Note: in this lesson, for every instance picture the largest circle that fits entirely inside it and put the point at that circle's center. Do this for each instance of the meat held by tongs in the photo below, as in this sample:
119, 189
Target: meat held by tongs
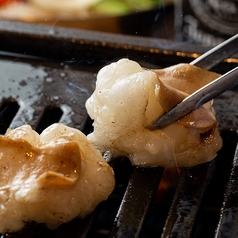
209, 91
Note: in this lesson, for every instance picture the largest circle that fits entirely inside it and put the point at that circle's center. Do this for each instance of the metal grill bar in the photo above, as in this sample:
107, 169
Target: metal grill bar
135, 205
228, 225
189, 193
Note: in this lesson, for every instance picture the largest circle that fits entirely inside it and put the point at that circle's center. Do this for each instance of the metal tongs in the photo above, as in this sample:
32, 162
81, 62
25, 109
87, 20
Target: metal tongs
209, 91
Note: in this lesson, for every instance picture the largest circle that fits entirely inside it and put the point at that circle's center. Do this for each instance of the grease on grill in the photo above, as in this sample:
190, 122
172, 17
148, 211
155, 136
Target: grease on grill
40, 89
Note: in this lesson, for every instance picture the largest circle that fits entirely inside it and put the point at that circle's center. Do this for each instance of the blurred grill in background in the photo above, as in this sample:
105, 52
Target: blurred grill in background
203, 22
153, 18
206, 22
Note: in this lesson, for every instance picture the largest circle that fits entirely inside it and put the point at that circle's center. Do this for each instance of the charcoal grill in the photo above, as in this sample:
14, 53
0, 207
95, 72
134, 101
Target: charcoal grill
48, 73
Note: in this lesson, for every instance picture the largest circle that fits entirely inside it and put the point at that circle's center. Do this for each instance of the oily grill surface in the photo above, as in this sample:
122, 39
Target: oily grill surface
48, 73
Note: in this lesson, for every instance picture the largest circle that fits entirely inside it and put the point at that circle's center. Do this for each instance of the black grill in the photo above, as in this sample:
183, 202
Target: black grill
48, 73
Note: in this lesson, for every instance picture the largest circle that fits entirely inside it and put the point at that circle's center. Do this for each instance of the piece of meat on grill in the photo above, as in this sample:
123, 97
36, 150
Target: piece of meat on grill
128, 99
50, 178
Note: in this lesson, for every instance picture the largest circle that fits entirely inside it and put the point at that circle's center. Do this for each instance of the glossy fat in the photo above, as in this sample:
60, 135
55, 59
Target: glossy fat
50, 178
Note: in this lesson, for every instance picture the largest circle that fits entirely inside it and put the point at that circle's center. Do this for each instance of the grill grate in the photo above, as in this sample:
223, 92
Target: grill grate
200, 183
40, 91
135, 204
228, 226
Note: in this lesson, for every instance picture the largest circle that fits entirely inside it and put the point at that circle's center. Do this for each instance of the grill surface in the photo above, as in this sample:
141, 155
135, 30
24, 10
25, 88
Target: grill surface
47, 74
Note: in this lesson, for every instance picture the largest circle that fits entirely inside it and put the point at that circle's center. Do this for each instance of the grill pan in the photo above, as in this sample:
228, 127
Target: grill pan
48, 73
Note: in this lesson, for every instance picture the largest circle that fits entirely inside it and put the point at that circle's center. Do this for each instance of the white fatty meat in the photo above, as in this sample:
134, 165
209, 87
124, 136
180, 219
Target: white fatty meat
128, 99
50, 178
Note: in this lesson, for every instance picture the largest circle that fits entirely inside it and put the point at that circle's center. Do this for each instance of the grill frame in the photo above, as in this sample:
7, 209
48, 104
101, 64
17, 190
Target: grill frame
86, 51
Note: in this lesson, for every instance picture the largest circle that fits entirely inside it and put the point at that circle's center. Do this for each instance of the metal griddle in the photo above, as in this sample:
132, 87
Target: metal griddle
48, 73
